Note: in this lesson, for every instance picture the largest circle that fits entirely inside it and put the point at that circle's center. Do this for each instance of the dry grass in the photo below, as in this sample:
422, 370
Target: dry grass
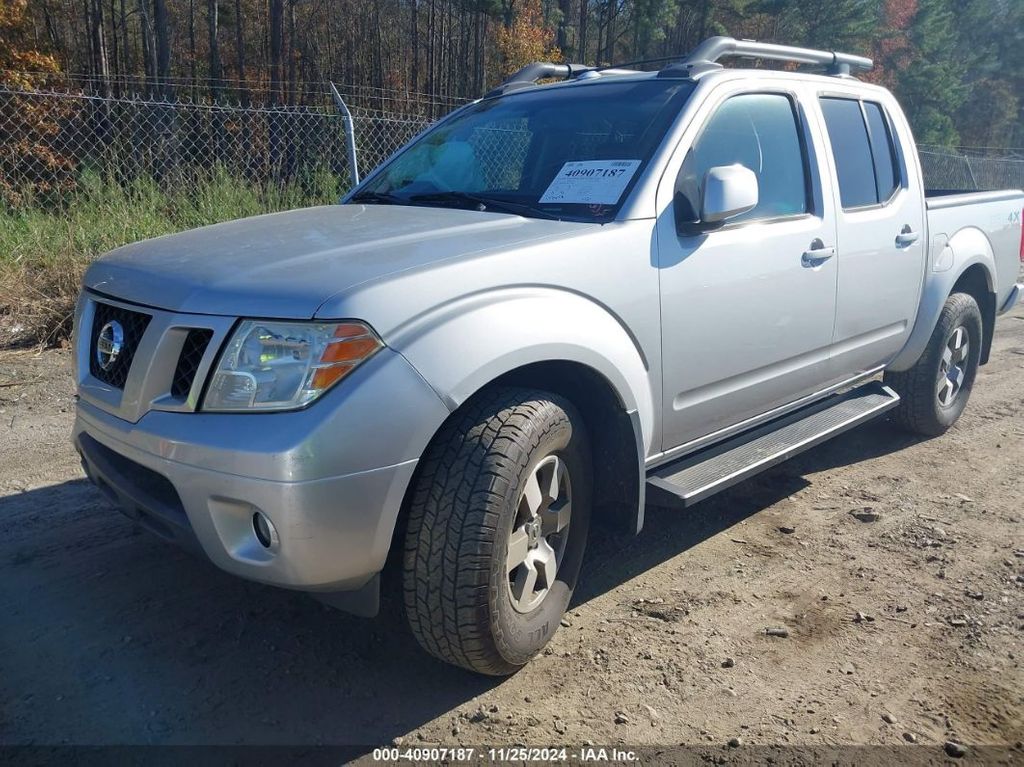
44, 249
37, 301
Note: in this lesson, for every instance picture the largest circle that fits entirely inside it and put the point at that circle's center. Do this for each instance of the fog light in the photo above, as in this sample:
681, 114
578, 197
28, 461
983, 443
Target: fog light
265, 531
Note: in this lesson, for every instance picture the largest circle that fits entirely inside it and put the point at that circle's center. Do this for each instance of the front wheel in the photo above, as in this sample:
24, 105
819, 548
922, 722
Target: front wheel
496, 531
935, 391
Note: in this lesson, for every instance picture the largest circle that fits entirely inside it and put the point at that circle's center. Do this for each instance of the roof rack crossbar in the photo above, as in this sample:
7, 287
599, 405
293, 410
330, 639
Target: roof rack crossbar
542, 70
538, 70
715, 48
547, 70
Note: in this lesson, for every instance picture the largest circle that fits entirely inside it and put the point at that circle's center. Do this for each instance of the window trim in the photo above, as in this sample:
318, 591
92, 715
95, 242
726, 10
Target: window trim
802, 125
890, 137
897, 166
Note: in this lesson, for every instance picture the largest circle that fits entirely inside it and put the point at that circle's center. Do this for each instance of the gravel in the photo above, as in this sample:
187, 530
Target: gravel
220, 660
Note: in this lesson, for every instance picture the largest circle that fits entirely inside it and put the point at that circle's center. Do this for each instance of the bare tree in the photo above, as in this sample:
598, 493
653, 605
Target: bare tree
276, 49
564, 20
148, 46
192, 58
214, 53
240, 51
161, 25
276, 62
115, 48
100, 69
414, 75
164, 122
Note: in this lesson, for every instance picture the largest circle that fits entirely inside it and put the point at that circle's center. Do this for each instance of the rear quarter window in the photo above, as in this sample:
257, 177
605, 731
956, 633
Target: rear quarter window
886, 175
862, 146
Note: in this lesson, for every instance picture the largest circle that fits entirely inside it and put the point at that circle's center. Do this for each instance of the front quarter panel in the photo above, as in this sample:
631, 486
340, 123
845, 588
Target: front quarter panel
463, 346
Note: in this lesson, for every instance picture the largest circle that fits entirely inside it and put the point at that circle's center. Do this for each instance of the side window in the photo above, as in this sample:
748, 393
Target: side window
759, 131
852, 151
863, 150
886, 174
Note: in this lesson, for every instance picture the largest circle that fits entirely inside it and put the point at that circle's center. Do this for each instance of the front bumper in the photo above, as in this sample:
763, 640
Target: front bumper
197, 479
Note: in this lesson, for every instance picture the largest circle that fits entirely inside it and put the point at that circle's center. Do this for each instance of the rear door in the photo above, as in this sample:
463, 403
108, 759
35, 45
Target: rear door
748, 308
881, 233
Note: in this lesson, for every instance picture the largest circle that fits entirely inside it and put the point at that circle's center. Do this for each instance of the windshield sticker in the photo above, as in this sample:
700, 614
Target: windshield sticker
591, 182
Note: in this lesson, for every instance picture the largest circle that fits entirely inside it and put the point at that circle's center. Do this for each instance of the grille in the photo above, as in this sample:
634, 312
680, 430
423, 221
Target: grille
188, 363
133, 324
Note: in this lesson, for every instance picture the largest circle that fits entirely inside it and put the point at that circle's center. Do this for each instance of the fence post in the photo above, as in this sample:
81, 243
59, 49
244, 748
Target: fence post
970, 170
350, 134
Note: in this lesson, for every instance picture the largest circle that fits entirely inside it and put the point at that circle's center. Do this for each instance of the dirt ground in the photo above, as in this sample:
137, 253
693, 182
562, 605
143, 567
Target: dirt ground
895, 564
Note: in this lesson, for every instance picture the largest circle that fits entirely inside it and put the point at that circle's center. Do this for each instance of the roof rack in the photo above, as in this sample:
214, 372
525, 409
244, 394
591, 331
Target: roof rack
538, 70
546, 70
706, 55
703, 58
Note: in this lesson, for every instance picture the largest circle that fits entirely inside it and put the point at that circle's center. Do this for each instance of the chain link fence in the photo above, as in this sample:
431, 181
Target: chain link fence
971, 169
51, 137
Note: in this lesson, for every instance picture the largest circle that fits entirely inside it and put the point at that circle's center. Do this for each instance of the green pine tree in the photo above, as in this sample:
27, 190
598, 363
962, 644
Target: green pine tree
990, 36
931, 87
842, 25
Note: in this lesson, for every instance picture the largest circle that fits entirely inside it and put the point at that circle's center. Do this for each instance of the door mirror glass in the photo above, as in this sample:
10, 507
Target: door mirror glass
729, 190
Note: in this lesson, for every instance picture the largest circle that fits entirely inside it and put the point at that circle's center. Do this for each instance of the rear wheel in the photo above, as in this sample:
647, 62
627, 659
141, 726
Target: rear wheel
935, 391
497, 527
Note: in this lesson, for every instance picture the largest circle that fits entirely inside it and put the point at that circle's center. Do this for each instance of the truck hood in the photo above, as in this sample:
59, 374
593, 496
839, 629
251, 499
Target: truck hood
286, 265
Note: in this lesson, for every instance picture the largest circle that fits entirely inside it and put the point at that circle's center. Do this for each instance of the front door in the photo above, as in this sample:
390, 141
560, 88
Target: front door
747, 308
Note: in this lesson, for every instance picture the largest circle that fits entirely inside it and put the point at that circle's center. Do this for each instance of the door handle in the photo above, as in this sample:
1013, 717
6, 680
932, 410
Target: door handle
906, 237
817, 255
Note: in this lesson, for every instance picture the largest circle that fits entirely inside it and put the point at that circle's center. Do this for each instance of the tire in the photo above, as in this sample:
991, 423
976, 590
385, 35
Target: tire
931, 400
468, 514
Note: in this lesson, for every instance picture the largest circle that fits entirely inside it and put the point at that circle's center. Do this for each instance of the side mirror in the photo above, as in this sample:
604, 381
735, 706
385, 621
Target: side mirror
729, 190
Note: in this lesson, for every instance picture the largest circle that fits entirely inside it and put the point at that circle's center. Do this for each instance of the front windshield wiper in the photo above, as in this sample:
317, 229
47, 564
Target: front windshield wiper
380, 198
484, 203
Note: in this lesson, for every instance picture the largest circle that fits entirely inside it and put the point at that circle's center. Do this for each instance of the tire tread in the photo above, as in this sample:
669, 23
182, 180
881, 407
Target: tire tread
916, 386
466, 476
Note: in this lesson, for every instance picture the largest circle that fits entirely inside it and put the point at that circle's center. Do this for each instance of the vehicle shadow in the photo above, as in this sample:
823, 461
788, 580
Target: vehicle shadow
109, 636
669, 532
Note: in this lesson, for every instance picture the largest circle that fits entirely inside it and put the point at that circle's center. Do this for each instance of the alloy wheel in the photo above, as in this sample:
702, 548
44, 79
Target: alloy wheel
539, 534
953, 366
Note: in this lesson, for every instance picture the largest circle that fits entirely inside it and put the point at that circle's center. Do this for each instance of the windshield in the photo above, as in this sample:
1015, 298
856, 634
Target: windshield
562, 153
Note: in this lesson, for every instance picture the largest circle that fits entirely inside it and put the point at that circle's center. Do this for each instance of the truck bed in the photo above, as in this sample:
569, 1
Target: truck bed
994, 214
945, 198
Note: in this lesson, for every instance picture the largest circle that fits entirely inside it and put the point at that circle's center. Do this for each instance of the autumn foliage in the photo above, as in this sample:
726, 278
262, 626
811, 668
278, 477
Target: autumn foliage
893, 48
527, 39
955, 65
30, 124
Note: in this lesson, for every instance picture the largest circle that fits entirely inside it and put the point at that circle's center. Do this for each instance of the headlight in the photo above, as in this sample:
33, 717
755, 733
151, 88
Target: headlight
286, 365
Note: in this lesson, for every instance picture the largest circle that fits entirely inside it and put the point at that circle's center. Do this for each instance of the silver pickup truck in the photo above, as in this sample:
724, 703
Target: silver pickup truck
558, 301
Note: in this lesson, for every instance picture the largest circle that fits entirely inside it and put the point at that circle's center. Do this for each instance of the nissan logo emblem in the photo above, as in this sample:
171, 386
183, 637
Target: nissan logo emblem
109, 344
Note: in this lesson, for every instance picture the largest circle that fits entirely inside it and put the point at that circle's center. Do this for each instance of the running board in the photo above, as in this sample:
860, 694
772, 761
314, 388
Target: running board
697, 476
